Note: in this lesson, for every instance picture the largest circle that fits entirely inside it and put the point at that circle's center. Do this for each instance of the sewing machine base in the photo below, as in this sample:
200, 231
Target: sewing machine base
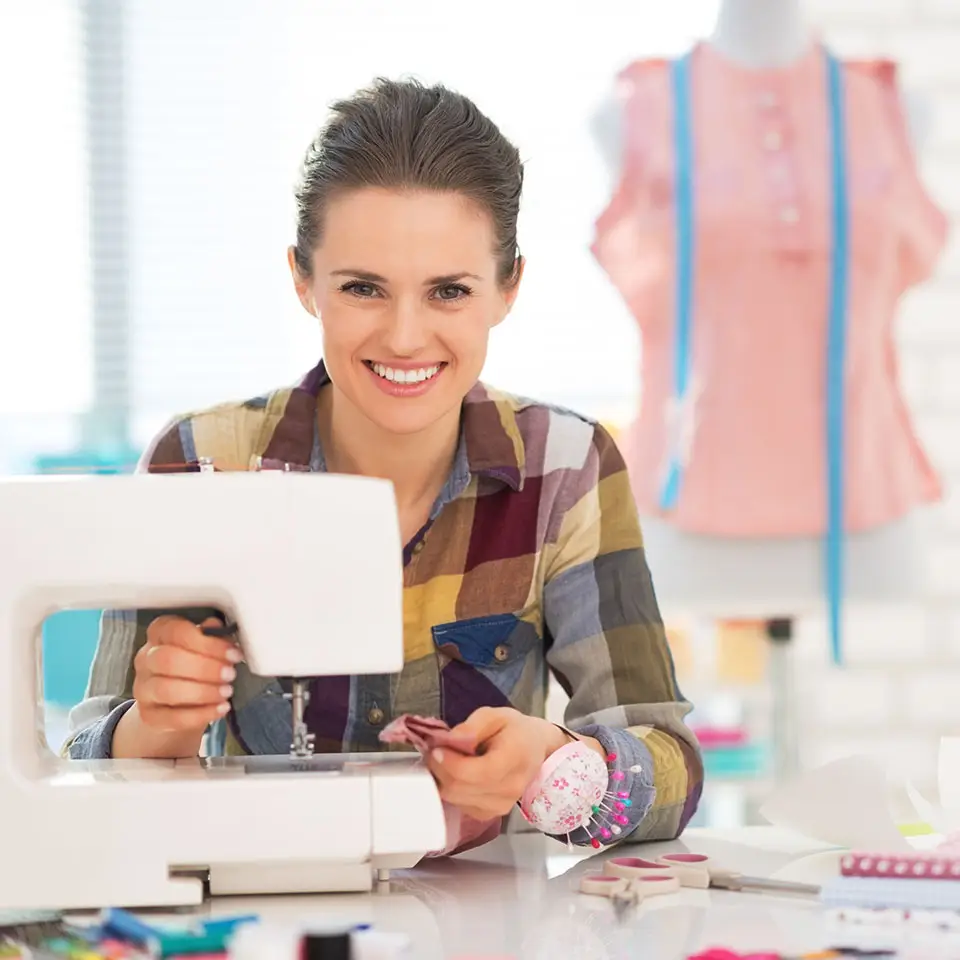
254, 826
259, 879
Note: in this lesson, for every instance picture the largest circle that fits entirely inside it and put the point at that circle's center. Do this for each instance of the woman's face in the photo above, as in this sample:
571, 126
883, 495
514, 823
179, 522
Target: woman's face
405, 286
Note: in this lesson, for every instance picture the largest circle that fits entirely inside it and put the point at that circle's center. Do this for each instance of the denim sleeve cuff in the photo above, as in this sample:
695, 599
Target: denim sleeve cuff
95, 742
630, 752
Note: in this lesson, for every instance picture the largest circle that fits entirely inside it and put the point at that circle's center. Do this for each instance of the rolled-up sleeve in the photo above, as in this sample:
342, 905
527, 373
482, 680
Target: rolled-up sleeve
109, 691
608, 649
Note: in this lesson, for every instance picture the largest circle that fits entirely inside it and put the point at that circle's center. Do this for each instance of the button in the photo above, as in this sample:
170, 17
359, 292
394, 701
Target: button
375, 716
772, 140
501, 653
767, 99
789, 215
418, 546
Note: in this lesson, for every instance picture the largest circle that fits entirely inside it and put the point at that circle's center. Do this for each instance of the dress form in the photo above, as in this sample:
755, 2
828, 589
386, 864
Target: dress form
733, 577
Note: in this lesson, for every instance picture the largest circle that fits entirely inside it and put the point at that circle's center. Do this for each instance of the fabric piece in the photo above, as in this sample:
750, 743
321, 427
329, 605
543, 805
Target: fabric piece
755, 462
425, 734
485, 616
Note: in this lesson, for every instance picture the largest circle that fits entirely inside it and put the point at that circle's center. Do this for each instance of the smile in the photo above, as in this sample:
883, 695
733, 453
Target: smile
404, 377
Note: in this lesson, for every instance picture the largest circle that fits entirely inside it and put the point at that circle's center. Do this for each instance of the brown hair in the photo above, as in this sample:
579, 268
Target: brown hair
401, 134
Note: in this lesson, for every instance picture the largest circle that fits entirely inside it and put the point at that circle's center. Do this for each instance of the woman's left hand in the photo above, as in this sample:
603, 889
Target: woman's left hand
514, 748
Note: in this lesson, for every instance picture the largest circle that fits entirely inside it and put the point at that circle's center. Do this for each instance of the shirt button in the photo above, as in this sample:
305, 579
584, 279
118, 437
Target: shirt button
375, 716
789, 215
501, 653
767, 99
772, 141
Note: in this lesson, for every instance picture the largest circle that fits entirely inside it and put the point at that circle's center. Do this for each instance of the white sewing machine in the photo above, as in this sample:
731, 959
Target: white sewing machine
309, 567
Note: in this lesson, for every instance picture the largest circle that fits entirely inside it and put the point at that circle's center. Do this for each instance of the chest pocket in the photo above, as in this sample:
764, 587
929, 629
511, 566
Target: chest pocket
494, 661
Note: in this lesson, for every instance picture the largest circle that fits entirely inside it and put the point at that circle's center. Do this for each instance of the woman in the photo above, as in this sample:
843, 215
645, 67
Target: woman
523, 548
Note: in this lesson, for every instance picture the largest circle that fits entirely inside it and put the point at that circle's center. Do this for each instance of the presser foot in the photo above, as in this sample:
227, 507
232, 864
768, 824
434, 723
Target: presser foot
299, 697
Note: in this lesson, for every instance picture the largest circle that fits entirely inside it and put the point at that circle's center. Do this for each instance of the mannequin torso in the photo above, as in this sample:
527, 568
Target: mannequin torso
764, 577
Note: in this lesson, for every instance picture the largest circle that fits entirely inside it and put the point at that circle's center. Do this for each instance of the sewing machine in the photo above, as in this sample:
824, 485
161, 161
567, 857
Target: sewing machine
309, 568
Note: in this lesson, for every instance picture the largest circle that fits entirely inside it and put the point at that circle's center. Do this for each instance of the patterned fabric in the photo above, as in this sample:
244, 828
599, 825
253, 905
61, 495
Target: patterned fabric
755, 451
532, 561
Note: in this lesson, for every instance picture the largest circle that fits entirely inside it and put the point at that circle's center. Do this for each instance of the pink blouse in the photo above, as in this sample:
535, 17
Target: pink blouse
755, 450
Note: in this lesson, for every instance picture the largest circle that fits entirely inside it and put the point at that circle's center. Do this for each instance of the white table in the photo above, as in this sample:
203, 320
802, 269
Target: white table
517, 897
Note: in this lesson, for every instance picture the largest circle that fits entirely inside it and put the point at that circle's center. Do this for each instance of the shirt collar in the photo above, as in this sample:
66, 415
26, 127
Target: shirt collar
490, 445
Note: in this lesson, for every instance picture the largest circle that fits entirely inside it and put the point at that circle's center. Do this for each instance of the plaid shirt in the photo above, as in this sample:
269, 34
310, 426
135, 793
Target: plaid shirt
531, 563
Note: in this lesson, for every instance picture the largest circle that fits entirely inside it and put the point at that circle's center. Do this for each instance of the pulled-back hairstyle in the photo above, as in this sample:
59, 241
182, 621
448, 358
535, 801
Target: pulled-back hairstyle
404, 135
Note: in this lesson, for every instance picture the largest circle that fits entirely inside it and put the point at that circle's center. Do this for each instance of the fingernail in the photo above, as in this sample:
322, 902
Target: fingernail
223, 708
226, 692
234, 655
437, 755
228, 674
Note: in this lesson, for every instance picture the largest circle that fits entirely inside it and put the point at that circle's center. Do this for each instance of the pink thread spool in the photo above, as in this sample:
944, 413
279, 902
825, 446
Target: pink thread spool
691, 869
636, 868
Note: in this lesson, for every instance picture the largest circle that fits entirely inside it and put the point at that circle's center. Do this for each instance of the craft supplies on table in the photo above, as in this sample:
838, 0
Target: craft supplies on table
629, 880
120, 935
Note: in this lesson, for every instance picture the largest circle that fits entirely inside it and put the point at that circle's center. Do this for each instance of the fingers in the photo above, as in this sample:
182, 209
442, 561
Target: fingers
183, 679
485, 722
177, 632
169, 661
175, 692
180, 719
487, 784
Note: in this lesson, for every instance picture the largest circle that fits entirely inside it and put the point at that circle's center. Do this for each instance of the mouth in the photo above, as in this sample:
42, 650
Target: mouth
417, 377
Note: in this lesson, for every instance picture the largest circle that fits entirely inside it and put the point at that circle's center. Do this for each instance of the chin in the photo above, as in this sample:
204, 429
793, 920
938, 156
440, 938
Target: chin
406, 422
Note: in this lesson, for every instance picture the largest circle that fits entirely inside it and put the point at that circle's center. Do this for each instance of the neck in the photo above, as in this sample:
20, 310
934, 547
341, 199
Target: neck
761, 33
417, 464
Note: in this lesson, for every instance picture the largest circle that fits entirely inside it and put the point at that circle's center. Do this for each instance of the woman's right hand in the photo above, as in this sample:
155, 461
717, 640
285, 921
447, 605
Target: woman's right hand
183, 678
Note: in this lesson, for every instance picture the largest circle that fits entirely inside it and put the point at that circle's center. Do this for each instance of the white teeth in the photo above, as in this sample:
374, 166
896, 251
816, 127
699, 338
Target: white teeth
405, 376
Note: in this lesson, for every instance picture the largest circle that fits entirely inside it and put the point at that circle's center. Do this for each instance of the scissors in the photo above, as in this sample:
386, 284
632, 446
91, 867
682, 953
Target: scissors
627, 881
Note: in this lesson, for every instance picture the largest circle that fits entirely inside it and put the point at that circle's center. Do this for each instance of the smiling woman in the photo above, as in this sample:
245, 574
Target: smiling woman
523, 549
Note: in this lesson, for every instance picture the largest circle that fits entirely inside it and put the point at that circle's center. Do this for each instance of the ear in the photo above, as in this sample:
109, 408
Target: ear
511, 289
301, 284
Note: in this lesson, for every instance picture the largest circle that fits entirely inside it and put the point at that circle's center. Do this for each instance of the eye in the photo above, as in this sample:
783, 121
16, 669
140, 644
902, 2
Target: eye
360, 288
452, 291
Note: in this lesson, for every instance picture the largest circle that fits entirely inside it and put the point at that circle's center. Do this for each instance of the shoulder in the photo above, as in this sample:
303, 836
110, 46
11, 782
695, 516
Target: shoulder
230, 433
642, 78
569, 447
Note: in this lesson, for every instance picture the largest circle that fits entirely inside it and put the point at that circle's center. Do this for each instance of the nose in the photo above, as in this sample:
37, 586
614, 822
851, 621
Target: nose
407, 328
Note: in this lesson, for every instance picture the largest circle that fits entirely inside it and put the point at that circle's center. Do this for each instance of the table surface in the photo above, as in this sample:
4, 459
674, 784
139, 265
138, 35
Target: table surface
518, 897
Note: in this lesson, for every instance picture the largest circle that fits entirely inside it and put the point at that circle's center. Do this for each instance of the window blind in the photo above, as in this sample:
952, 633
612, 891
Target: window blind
45, 312
152, 279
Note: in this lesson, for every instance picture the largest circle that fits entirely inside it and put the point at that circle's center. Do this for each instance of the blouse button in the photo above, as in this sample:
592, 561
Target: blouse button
375, 716
501, 653
789, 215
767, 99
773, 141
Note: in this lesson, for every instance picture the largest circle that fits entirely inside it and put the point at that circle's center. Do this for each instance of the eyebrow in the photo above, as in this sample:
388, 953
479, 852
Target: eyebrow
433, 281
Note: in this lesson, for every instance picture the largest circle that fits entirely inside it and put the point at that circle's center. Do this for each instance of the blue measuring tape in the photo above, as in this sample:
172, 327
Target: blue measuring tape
837, 318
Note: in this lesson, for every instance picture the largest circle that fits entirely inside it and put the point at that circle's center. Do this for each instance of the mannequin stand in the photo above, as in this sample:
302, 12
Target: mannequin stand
786, 759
